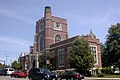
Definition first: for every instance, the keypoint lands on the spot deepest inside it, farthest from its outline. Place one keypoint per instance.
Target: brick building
(51, 35)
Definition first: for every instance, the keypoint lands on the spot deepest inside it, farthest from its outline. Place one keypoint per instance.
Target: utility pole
(10, 63)
(6, 58)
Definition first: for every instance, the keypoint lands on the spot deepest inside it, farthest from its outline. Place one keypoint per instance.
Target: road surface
(86, 78)
(9, 78)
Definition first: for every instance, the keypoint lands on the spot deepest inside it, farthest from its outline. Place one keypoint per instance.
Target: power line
(5, 53)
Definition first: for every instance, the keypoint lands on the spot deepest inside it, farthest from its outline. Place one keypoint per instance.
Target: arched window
(57, 38)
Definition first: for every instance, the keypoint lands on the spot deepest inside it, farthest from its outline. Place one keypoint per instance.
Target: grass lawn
(112, 76)
(109, 76)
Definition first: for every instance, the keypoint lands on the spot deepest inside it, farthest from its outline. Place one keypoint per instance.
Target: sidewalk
(91, 78)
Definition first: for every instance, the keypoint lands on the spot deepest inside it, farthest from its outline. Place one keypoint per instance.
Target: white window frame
(95, 53)
(55, 38)
(56, 28)
(61, 63)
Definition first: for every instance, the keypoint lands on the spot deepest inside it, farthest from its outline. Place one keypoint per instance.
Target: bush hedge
(106, 70)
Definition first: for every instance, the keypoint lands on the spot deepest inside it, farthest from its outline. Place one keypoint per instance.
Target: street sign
(47, 61)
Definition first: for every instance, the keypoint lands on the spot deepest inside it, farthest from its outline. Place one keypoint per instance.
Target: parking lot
(9, 78)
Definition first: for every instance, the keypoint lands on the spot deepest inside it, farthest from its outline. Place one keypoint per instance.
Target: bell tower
(49, 30)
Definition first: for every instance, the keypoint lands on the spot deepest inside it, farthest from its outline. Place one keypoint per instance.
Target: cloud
(15, 41)
(14, 14)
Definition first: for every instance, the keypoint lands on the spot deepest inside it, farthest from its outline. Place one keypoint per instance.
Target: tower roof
(47, 9)
(91, 34)
(22, 54)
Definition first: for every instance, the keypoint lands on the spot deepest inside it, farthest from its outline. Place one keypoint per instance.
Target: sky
(18, 19)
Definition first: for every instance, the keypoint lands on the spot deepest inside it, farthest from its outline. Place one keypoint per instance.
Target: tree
(2, 65)
(112, 45)
(81, 55)
(103, 55)
(46, 57)
(16, 65)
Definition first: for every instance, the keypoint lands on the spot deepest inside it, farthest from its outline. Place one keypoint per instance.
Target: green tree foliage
(16, 65)
(103, 55)
(80, 55)
(106, 70)
(112, 46)
(2, 65)
(43, 58)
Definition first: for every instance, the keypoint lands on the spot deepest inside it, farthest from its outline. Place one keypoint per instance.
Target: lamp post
(37, 62)
(6, 58)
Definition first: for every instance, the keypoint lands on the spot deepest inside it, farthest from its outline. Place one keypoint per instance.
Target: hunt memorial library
(51, 35)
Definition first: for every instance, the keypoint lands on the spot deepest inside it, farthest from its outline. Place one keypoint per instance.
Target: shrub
(100, 75)
(106, 70)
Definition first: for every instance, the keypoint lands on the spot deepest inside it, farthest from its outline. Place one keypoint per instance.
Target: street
(91, 78)
(9, 78)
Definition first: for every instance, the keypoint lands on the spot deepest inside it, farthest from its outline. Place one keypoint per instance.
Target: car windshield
(75, 72)
(44, 70)
(11, 70)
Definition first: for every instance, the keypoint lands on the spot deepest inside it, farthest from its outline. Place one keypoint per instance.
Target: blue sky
(18, 18)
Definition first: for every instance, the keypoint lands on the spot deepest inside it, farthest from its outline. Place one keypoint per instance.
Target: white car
(9, 70)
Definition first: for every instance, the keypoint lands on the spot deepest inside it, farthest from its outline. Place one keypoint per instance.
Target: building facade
(49, 29)
(51, 35)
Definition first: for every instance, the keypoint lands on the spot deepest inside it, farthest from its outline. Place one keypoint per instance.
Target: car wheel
(43, 79)
(59, 79)
(72, 79)
(10, 75)
(30, 78)
(16, 76)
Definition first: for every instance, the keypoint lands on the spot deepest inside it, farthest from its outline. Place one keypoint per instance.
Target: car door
(64, 76)
(38, 74)
(34, 74)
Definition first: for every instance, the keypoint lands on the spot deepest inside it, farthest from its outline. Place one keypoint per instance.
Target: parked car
(18, 74)
(3, 72)
(9, 70)
(71, 75)
(41, 74)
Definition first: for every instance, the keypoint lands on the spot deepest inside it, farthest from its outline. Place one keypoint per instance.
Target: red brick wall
(68, 43)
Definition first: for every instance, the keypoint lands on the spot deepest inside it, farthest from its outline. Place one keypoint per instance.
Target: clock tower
(49, 30)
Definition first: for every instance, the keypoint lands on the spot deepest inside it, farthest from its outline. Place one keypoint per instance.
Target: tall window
(57, 38)
(94, 51)
(41, 43)
(61, 57)
(41, 28)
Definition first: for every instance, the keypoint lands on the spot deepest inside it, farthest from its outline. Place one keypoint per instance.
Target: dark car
(18, 74)
(71, 75)
(41, 74)
(3, 72)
